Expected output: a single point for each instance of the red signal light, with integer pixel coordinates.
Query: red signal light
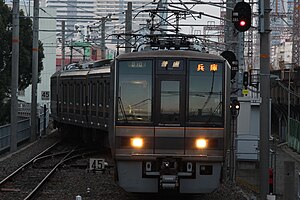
(242, 23)
(242, 16)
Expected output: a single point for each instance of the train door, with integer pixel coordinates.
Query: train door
(170, 114)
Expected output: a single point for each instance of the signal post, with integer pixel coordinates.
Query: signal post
(242, 19)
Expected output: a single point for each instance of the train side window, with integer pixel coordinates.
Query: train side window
(93, 94)
(100, 94)
(81, 94)
(77, 94)
(84, 94)
(68, 93)
(107, 96)
(88, 94)
(71, 98)
(60, 93)
(65, 93)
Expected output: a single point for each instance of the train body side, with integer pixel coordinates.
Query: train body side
(80, 97)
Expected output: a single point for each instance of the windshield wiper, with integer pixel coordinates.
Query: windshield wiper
(122, 108)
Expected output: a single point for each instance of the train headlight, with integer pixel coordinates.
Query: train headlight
(137, 142)
(201, 143)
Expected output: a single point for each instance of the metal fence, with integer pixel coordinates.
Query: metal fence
(23, 130)
(293, 138)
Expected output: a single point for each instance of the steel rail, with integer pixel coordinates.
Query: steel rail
(33, 192)
(26, 164)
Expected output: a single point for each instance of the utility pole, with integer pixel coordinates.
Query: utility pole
(35, 60)
(63, 41)
(289, 106)
(14, 76)
(264, 13)
(231, 40)
(71, 51)
(102, 46)
(163, 5)
(128, 27)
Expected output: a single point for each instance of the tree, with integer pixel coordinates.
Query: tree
(25, 59)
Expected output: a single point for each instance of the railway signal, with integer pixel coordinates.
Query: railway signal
(231, 58)
(242, 16)
(235, 107)
(246, 79)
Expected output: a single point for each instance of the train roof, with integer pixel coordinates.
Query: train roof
(171, 53)
(79, 72)
(83, 69)
(100, 70)
(56, 74)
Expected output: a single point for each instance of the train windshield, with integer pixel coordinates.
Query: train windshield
(170, 102)
(205, 93)
(135, 91)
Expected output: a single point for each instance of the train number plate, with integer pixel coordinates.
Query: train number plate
(96, 164)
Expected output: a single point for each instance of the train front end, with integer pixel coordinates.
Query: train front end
(168, 126)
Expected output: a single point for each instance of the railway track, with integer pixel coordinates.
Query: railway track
(73, 177)
(27, 180)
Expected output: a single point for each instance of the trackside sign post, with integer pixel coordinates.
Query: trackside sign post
(96, 164)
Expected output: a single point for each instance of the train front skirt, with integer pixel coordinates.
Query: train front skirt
(169, 174)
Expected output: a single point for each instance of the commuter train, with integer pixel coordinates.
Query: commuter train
(165, 112)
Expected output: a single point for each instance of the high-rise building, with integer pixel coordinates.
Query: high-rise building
(91, 11)
(118, 7)
(84, 18)
(72, 11)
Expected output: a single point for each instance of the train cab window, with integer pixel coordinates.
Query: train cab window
(205, 93)
(170, 102)
(135, 91)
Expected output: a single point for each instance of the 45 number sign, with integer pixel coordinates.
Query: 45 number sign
(96, 164)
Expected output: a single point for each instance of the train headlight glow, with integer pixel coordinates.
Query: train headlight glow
(137, 142)
(201, 143)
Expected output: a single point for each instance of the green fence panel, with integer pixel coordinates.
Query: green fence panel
(294, 136)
